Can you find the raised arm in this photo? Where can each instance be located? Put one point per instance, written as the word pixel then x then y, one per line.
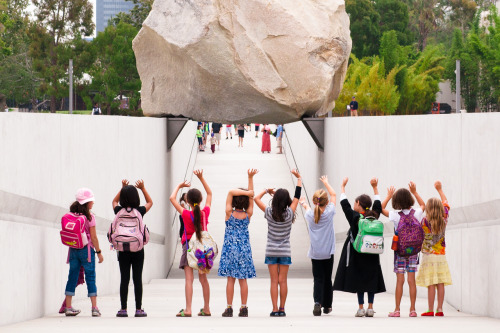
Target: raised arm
pixel 344 203
pixel 413 190
pixel 298 190
pixel 149 202
pixel 377 207
pixel 304 204
pixel 173 196
pixel 258 198
pixel 331 191
pixel 439 188
pixel 251 174
pixel 199 173
pixel 229 199
pixel 390 193
pixel 116 199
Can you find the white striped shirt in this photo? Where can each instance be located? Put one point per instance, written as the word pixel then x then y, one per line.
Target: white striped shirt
pixel 278 234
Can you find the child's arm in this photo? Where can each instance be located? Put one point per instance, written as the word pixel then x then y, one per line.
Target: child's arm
pixel 149 202
pixel 116 199
pixel 331 191
pixel 304 204
pixel 251 173
pixel 173 197
pixel 413 190
pixel 351 216
pixel 258 198
pixel 439 188
pixel 298 190
pixel 390 193
pixel 95 242
pixel 199 173
pixel 229 199
pixel 377 207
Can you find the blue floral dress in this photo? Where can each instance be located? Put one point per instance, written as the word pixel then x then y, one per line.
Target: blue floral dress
pixel 236 258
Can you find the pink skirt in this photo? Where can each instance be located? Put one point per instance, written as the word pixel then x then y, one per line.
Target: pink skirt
pixel 266 142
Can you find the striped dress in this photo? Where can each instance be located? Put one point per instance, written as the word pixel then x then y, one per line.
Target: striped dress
pixel 278 234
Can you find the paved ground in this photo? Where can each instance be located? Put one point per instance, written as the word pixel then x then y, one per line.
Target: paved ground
pixel 163 298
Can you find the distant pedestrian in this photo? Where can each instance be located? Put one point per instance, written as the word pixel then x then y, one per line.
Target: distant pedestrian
pixel 279 138
pixel 199 135
pixel 354 107
pixel 241 134
pixel 257 126
pixel 213 140
pixel 266 139
pixel 229 131
pixel 216 127
pixel 96 110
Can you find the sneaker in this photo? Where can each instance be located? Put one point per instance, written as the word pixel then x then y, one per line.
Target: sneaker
pixel 70 312
pixel 243 312
pixel 360 313
pixel 427 314
pixel 228 312
pixel 140 313
pixel 370 313
pixel 317 309
pixel 96 312
pixel 327 310
pixel 122 313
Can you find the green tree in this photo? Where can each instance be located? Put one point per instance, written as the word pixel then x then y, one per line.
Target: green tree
pixel 425 18
pixel 365 30
pixel 394 16
pixel 57 36
pixel 136 16
pixel 114 72
pixel 462 13
pixel 4 21
pixel 390 50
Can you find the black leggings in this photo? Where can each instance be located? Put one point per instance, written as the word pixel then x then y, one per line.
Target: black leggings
pixel 361 298
pixel 322 273
pixel 136 261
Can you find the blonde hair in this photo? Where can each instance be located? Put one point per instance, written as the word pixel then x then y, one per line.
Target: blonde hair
pixel 435 215
pixel 320 199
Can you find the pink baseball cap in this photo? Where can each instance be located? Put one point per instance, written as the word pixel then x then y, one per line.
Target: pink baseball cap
pixel 84 195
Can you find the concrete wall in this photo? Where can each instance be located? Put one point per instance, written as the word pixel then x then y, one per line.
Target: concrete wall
pixel 458 149
pixel 44 160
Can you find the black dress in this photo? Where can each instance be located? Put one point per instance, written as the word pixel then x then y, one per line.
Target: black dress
pixel 363 273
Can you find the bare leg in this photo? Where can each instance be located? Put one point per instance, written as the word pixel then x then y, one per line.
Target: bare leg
pixel 243 290
pixel 399 290
pixel 431 294
pixel 68 301
pixel 440 288
pixel 413 290
pixel 206 292
pixel 188 273
pixel 93 300
pixel 282 280
pixel 274 274
pixel 230 290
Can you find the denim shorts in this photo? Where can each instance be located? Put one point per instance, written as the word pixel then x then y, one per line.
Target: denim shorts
pixel 278 260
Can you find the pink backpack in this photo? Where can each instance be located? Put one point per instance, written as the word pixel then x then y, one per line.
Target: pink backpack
pixel 410 235
pixel 128 233
pixel 73 232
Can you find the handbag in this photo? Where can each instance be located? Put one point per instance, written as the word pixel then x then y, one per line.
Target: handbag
pixel 201 253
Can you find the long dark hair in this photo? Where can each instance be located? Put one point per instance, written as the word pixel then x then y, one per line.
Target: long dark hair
pixel 77 208
pixel 365 202
pixel 129 197
pixel 194 198
pixel 281 201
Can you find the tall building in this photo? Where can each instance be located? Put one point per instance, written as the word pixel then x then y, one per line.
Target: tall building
pixel 106 9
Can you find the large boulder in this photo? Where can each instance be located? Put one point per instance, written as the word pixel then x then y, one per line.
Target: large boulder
pixel 232 61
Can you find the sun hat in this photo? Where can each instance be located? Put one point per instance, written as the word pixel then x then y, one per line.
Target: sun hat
pixel 84 195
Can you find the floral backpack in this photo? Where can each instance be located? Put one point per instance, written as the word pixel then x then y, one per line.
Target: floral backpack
pixel 410 235
pixel 201 253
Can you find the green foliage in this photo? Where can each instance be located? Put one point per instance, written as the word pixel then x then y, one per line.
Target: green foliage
pixel 394 16
pixel 136 16
pixel 390 50
pixel 4 22
pixel 425 18
pixel 365 29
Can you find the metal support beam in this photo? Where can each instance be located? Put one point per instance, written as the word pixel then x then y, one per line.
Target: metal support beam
pixel 174 128
pixel 316 128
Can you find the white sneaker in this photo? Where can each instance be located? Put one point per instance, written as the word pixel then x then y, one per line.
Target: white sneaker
pixel 370 313
pixel 360 313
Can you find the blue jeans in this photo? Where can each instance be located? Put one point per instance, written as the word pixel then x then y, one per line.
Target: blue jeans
pixel 77 259
pixel 361 298
pixel 278 260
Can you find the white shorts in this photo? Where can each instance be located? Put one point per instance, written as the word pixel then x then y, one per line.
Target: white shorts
pixel 217 136
pixel 229 129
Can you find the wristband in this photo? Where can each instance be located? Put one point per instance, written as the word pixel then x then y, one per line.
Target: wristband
pixel 298 189
pixel 98 252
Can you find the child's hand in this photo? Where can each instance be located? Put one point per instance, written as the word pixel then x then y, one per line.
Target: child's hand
pixel 252 172
pixel 271 191
pixel 324 179
pixel 101 258
pixel 124 182
pixel 302 200
pixel 198 173
pixel 296 173
pixel 344 182
pixel 438 185
pixel 374 182
pixel 413 187
pixel 250 194
pixel 390 191
pixel 140 184
pixel 185 184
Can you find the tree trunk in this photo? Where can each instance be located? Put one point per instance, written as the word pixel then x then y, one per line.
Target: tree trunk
pixel 53 104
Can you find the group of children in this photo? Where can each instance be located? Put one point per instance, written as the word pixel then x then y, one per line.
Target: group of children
pixel 357 272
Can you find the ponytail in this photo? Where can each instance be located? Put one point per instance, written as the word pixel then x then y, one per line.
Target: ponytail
pixel 197 220
pixel 320 199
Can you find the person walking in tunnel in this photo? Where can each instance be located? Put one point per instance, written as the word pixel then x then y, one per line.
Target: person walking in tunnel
pixel 257 127
pixel 266 139
pixel 322 249
pixel 357 272
pixel 236 260
pixel 280 217
pixel 229 131
pixel 193 226
pixel 241 134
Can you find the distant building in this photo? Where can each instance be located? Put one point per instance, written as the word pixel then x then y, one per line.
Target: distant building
pixel 106 9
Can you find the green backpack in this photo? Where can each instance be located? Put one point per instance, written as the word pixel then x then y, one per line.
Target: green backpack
pixel 370 238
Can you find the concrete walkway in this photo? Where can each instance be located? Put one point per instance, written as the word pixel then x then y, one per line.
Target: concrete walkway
pixel 163 298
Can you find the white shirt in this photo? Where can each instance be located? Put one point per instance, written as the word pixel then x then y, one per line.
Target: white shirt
pixel 394 215
pixel 322 234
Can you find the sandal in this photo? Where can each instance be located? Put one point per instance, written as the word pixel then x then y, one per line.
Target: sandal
pixel 413 314
pixel 203 314
pixel 427 314
pixel 395 314
pixel 182 314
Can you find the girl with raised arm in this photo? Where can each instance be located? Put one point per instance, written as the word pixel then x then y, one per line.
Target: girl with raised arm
pixel 195 221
